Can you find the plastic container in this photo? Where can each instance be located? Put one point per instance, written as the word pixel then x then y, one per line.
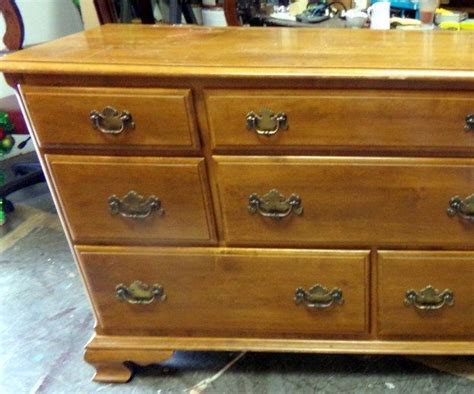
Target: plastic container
pixel 427 10
pixel 213 17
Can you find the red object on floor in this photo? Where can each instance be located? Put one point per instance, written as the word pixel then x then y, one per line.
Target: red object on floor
pixel 10 105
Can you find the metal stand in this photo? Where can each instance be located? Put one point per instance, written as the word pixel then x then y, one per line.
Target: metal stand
pixel 178 7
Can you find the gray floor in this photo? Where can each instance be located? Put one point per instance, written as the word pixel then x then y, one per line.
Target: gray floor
pixel 45 320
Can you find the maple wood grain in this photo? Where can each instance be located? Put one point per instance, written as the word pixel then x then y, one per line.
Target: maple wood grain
pixel 399 272
pixel 347 201
pixel 235 292
pixel 342 120
pixel 123 344
pixel 154 50
pixel 163 118
pixel 85 183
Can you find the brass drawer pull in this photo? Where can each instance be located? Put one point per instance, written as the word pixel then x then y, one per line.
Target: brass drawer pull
pixel 462 208
pixel 469 123
pixel 267 123
pixel 274 205
pixel 429 298
pixel 135 206
pixel 318 297
pixel 140 293
pixel 111 121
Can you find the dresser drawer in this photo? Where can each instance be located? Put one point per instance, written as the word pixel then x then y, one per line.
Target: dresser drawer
pixel 133 200
pixel 343 201
pixel 158 118
pixel 340 120
pixel 227 292
pixel 426 294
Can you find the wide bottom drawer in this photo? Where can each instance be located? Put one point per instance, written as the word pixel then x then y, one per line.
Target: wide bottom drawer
pixel 226 292
pixel 425 294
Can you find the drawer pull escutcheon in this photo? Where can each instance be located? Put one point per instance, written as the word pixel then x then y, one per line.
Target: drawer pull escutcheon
pixel 140 293
pixel 267 123
pixel 111 121
pixel 274 205
pixel 429 298
pixel 135 206
pixel 462 208
pixel 469 123
pixel 318 297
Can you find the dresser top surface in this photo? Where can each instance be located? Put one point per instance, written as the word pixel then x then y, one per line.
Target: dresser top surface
pixel 181 50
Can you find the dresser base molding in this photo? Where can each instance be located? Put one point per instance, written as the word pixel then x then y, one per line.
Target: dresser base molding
pixel 108 353
pixel 109 360
pixel 111 372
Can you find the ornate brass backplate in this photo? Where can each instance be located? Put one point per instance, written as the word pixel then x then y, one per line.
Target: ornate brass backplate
pixel 464 208
pixel 266 123
pixel 319 297
pixel 135 206
pixel 140 293
pixel 274 205
pixel 429 298
pixel 469 126
pixel 111 121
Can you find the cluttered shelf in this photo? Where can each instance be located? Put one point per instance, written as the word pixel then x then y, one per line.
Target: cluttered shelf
pixel 376 14
pixel 468 10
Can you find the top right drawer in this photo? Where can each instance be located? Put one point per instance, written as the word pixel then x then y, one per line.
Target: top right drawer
pixel 340 120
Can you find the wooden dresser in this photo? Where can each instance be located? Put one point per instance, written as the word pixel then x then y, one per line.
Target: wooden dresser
pixel 261 189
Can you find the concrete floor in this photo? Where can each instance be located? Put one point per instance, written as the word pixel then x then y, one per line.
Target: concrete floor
pixel 45 320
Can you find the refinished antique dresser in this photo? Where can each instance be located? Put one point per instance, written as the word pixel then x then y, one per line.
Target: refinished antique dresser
pixel 261 189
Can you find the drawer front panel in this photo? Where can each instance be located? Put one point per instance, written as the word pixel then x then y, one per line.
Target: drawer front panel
pixel 424 312
pixel 162 118
pixel 100 197
pixel 341 119
pixel 226 292
pixel 343 201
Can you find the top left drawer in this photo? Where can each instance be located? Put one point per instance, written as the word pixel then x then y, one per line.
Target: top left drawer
pixel 112 118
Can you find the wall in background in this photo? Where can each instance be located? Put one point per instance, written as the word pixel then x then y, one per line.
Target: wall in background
pixel 44 20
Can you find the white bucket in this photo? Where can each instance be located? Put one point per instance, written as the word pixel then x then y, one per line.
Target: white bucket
pixel 213 17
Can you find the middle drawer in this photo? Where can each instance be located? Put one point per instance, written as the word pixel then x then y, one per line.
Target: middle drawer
pixel 133 200
pixel 346 201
